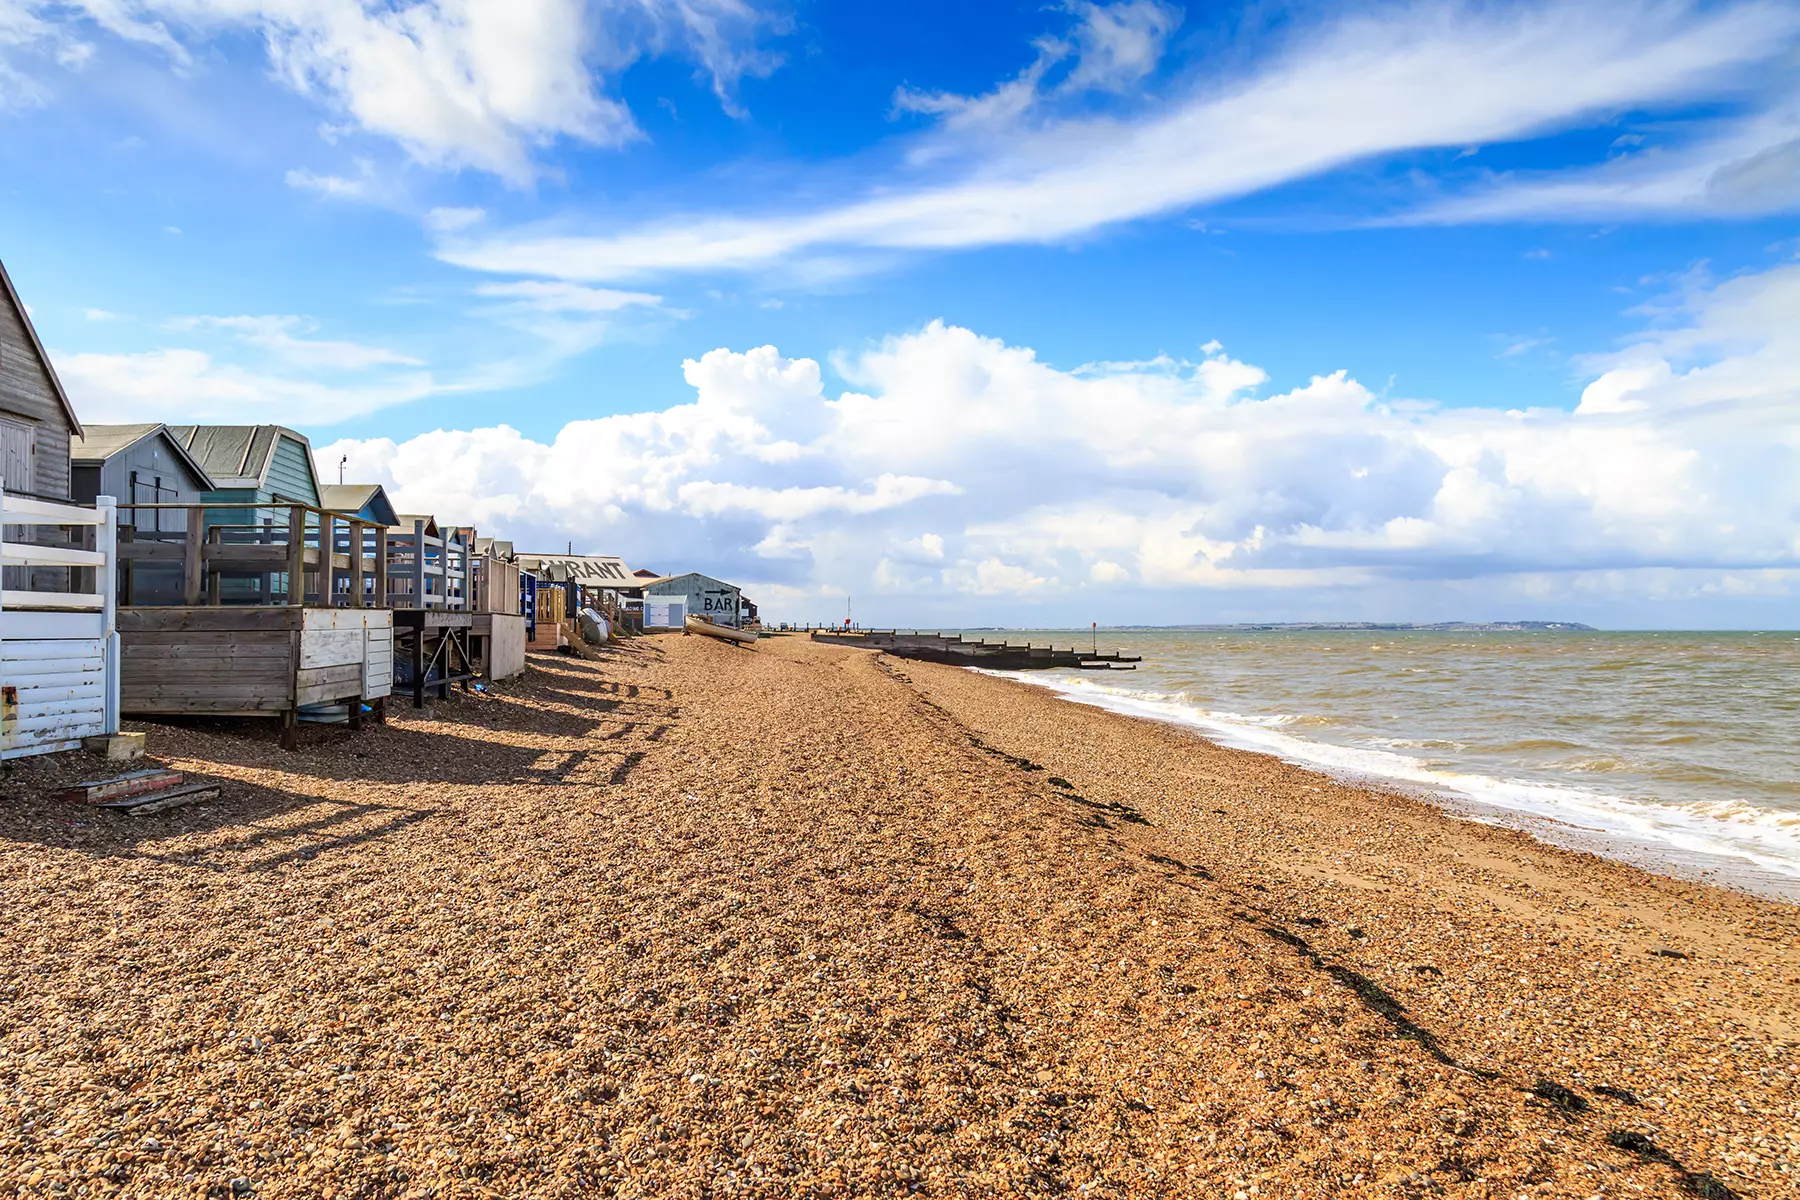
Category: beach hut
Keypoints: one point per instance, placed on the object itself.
(140, 464)
(58, 646)
(259, 464)
(700, 596)
(368, 501)
(275, 615)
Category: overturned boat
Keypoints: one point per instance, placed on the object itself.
(724, 633)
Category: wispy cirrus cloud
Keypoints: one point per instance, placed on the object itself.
(1360, 87)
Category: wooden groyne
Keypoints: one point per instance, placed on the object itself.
(956, 651)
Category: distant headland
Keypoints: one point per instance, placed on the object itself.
(1403, 626)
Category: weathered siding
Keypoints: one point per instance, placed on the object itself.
(162, 478)
(291, 474)
(27, 394)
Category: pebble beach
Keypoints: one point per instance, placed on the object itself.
(696, 920)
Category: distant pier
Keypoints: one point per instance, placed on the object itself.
(956, 651)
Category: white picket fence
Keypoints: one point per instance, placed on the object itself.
(59, 651)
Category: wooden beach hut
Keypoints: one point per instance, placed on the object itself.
(366, 501)
(278, 612)
(499, 633)
(147, 464)
(429, 580)
(59, 673)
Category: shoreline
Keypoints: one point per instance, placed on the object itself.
(1658, 856)
(803, 920)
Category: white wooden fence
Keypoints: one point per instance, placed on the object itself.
(59, 650)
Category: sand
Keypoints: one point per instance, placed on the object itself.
(694, 920)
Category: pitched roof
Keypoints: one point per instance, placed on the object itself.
(97, 443)
(236, 456)
(56, 386)
(370, 498)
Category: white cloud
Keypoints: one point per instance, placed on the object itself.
(566, 297)
(277, 334)
(1741, 166)
(1367, 85)
(457, 83)
(190, 385)
(449, 220)
(959, 465)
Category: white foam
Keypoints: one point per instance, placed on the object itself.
(1727, 833)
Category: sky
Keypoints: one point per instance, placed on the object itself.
(952, 313)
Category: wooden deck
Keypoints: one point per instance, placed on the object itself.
(253, 660)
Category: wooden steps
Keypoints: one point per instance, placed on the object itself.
(140, 793)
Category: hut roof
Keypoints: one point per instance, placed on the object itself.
(407, 520)
(97, 443)
(370, 498)
(56, 386)
(236, 456)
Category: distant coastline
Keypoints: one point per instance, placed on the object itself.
(1368, 626)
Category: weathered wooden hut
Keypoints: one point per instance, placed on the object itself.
(58, 647)
(259, 464)
(279, 612)
(140, 464)
(367, 501)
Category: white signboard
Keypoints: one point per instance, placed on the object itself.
(665, 612)
(594, 570)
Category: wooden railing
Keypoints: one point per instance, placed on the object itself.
(297, 552)
(417, 561)
(51, 653)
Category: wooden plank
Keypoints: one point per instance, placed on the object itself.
(84, 601)
(23, 510)
(296, 565)
(33, 626)
(120, 787)
(50, 556)
(172, 552)
(193, 793)
(331, 647)
(223, 556)
(191, 564)
(173, 619)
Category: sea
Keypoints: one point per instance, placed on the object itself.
(1676, 751)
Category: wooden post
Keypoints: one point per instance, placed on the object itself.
(381, 565)
(190, 558)
(357, 574)
(419, 571)
(214, 536)
(418, 665)
(290, 729)
(296, 555)
(264, 583)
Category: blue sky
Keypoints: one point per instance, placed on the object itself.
(996, 312)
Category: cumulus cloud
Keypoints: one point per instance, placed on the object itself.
(1367, 85)
(958, 465)
(456, 83)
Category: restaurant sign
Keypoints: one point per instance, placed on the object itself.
(593, 570)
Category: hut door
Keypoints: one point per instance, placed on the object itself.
(18, 473)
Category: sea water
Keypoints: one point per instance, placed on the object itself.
(1680, 751)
